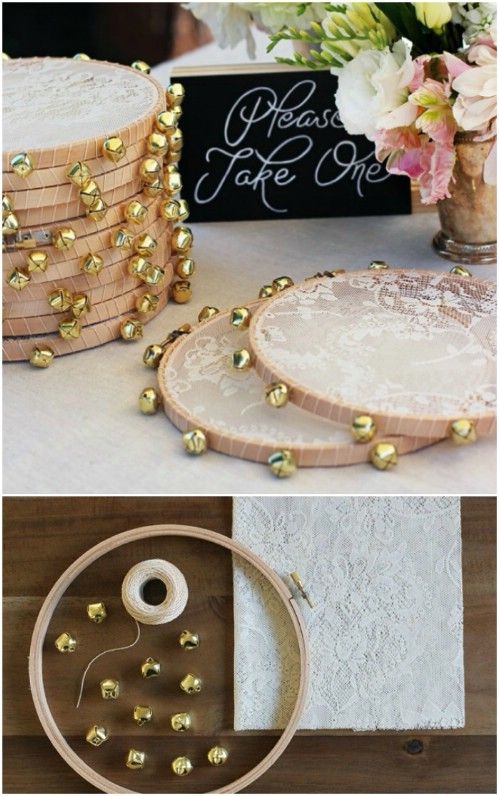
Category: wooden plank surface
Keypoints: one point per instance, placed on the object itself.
(43, 536)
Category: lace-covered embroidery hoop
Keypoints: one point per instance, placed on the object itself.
(363, 343)
(200, 390)
(151, 532)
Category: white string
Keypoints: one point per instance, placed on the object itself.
(132, 592)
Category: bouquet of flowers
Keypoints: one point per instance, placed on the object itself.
(410, 75)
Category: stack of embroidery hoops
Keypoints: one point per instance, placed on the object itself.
(90, 203)
(343, 368)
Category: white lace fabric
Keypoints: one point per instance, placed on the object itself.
(386, 640)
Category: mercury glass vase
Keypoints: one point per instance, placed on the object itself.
(468, 219)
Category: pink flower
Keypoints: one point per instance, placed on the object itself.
(476, 104)
(437, 164)
(436, 120)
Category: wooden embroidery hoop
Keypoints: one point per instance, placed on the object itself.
(77, 567)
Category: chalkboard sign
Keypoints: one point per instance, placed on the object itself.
(266, 142)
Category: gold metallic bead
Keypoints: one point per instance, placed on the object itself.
(136, 212)
(96, 735)
(384, 455)
(157, 144)
(277, 394)
(92, 264)
(182, 766)
(122, 238)
(97, 210)
(170, 210)
(21, 164)
(175, 140)
(281, 283)
(60, 299)
(240, 317)
(81, 305)
(41, 357)
(188, 640)
(89, 193)
(207, 312)
(282, 463)
(65, 643)
(152, 355)
(463, 431)
(69, 329)
(185, 267)
(153, 275)
(147, 302)
(149, 401)
(37, 261)
(241, 359)
(79, 174)
(363, 428)
(96, 612)
(18, 279)
(378, 265)
(131, 329)
(167, 121)
(191, 684)
(135, 759)
(141, 66)
(110, 688)
(7, 205)
(174, 157)
(64, 238)
(181, 722)
(150, 170)
(266, 291)
(175, 94)
(138, 266)
(172, 182)
(195, 442)
(145, 244)
(10, 224)
(142, 714)
(154, 188)
(181, 291)
(81, 57)
(184, 210)
(177, 112)
(217, 755)
(150, 668)
(460, 270)
(114, 149)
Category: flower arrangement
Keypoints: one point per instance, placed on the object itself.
(410, 75)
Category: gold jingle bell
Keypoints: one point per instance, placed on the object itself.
(460, 270)
(182, 239)
(138, 266)
(174, 157)
(65, 643)
(157, 144)
(150, 170)
(135, 759)
(170, 210)
(136, 212)
(60, 299)
(217, 756)
(363, 428)
(240, 317)
(153, 275)
(207, 312)
(131, 329)
(152, 355)
(96, 735)
(181, 291)
(145, 244)
(166, 121)
(22, 165)
(81, 305)
(282, 463)
(277, 394)
(148, 302)
(110, 688)
(37, 261)
(64, 238)
(191, 684)
(154, 188)
(89, 193)
(241, 359)
(181, 722)
(142, 714)
(18, 279)
(10, 225)
(122, 239)
(378, 265)
(185, 267)
(281, 283)
(96, 612)
(149, 401)
(7, 205)
(188, 640)
(175, 94)
(41, 357)
(97, 210)
(141, 66)
(184, 210)
(81, 57)
(384, 455)
(463, 431)
(69, 329)
(175, 139)
(172, 182)
(79, 174)
(114, 149)
(150, 668)
(92, 264)
(195, 442)
(182, 766)
(266, 291)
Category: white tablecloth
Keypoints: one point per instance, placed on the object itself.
(75, 427)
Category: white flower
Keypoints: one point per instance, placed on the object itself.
(476, 103)
(274, 16)
(477, 19)
(230, 23)
(373, 89)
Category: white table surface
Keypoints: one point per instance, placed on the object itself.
(75, 427)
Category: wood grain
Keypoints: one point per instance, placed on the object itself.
(42, 536)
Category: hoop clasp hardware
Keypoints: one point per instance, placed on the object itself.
(27, 240)
(301, 588)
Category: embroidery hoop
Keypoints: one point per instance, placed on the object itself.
(77, 567)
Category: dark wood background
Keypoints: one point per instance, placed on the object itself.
(42, 536)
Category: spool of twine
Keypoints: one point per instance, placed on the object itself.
(132, 592)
